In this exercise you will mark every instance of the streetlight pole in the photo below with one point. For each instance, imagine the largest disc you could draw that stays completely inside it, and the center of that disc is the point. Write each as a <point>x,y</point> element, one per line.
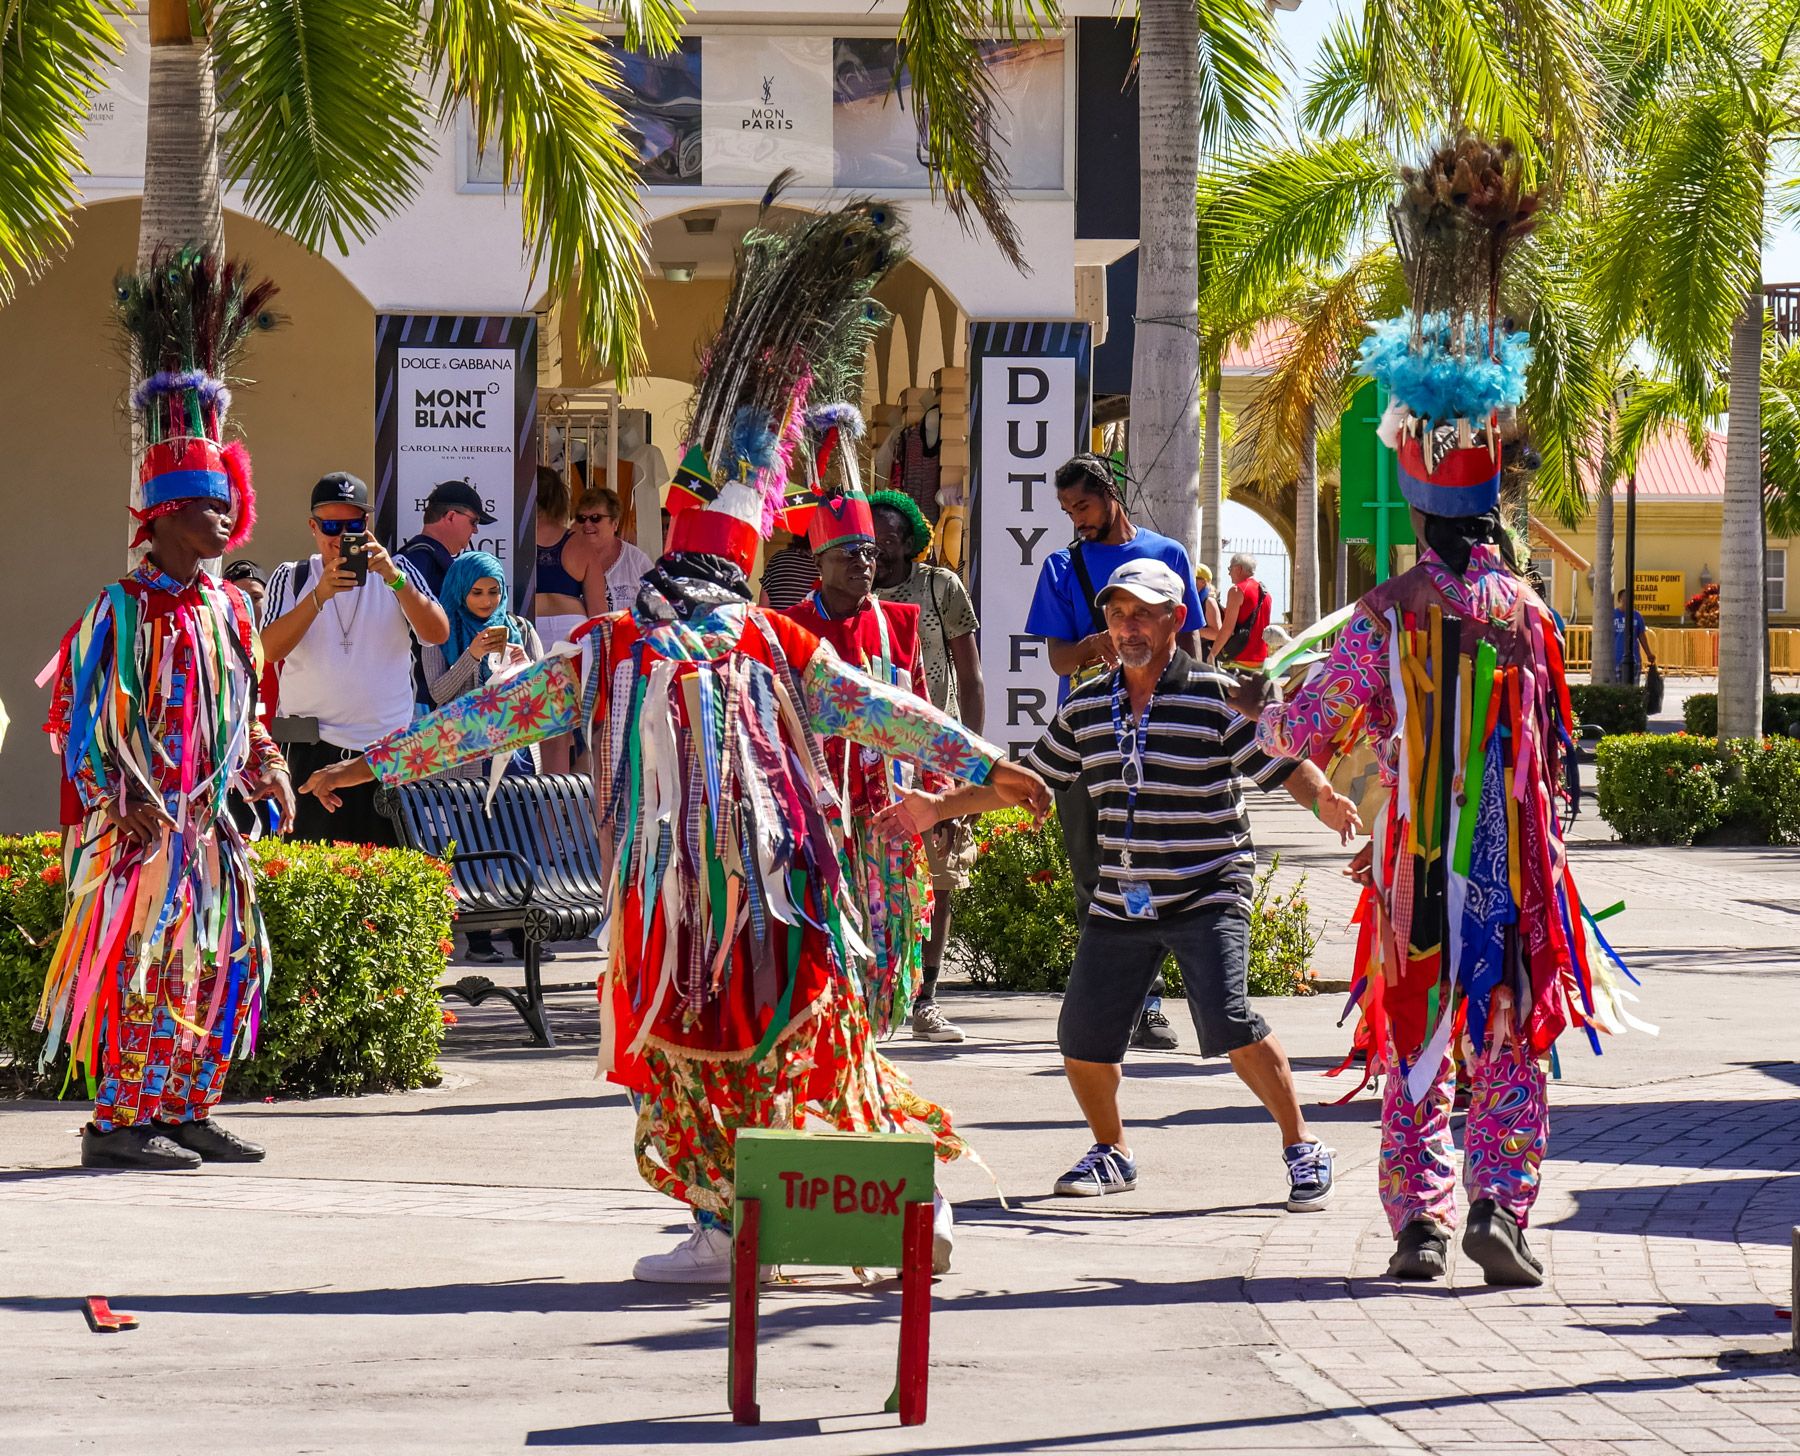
<point>1631,644</point>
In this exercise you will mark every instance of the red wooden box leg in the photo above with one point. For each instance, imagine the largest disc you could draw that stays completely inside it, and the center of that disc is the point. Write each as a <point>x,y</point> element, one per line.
<point>744,1267</point>
<point>915,1313</point>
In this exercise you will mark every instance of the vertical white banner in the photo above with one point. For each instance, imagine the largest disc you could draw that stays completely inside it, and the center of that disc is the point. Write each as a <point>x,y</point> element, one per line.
<point>456,421</point>
<point>1029,399</point>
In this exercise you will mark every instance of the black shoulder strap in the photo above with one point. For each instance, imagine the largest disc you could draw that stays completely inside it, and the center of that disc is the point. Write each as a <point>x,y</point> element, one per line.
<point>302,573</point>
<point>1087,587</point>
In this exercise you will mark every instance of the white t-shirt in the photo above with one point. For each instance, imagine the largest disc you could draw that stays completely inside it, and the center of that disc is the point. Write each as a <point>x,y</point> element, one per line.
<point>627,574</point>
<point>353,668</point>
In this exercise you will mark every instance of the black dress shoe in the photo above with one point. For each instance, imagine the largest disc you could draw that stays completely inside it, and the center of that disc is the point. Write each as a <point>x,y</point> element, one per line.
<point>1422,1253</point>
<point>1495,1241</point>
<point>144,1148</point>
<point>213,1143</point>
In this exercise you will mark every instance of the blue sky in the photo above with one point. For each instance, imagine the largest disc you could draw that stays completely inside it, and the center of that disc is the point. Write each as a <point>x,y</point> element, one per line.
<point>1302,31</point>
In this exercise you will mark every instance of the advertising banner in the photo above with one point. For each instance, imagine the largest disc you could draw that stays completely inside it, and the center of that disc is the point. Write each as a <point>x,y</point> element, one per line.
<point>1030,408</point>
<point>456,399</point>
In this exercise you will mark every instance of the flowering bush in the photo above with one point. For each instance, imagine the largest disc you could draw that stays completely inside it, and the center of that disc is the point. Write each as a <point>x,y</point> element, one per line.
<point>1703,606</point>
<point>1016,919</point>
<point>1680,789</point>
<point>359,937</point>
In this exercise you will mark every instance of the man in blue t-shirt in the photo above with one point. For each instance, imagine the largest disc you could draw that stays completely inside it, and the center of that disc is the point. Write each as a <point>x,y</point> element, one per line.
<point>1637,641</point>
<point>1064,614</point>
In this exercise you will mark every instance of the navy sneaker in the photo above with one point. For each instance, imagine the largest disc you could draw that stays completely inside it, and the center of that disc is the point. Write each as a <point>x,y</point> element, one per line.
<point>1102,1169</point>
<point>1309,1176</point>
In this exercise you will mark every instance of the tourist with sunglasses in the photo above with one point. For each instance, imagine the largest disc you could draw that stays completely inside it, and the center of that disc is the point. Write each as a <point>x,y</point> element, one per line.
<point>616,559</point>
<point>345,642</point>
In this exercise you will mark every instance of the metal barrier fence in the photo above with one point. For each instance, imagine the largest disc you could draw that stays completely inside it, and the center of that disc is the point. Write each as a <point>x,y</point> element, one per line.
<point>1687,651</point>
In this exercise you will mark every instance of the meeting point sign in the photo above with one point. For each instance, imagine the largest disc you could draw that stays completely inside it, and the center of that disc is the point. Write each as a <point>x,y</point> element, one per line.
<point>1030,409</point>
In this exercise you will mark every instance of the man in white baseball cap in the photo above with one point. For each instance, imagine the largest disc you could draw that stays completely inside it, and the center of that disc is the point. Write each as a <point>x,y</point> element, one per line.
<point>1157,751</point>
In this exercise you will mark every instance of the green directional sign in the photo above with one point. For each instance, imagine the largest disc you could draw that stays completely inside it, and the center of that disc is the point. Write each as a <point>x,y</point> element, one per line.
<point>1371,510</point>
<point>833,1197</point>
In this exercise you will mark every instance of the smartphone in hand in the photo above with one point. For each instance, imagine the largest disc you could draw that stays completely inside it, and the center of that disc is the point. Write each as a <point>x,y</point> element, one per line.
<point>356,555</point>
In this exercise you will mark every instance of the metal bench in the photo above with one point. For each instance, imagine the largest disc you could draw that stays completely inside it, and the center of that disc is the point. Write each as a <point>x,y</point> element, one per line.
<point>532,865</point>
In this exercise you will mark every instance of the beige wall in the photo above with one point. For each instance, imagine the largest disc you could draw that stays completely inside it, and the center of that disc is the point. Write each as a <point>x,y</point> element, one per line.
<point>1672,535</point>
<point>64,478</point>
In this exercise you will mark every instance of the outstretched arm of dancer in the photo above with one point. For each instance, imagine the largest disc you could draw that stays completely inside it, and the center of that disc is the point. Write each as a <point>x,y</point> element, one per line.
<point>1353,678</point>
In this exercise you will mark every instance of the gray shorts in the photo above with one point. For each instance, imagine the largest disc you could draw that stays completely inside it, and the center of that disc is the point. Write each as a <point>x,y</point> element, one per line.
<point>1116,961</point>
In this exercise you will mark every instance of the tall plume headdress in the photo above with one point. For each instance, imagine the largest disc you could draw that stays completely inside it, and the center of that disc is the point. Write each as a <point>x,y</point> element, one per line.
<point>1449,363</point>
<point>185,319</point>
<point>797,325</point>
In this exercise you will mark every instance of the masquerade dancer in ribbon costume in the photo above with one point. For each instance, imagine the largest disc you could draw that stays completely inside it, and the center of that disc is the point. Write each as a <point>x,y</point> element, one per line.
<point>1471,927</point>
<point>157,979</point>
<point>731,996</point>
<point>881,639</point>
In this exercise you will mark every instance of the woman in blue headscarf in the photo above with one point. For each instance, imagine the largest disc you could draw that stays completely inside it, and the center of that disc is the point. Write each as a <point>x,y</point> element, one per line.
<point>484,637</point>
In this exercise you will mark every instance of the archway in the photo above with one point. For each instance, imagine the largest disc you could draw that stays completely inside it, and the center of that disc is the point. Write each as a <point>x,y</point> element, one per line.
<point>309,409</point>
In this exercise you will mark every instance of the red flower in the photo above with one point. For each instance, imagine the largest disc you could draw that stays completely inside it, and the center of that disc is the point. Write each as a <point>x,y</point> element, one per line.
<point>5,872</point>
<point>274,867</point>
<point>446,946</point>
<point>371,927</point>
<point>449,1017</point>
<point>1043,877</point>
<point>51,874</point>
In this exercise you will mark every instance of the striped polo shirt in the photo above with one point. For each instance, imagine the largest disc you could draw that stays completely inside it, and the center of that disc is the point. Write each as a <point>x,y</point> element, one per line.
<point>1192,843</point>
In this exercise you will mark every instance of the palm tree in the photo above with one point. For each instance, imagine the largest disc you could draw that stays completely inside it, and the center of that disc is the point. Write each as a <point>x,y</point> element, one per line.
<point>1710,90</point>
<point>1204,78</point>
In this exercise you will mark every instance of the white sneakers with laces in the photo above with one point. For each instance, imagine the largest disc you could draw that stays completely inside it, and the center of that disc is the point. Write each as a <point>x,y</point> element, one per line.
<point>703,1257</point>
<point>930,1024</point>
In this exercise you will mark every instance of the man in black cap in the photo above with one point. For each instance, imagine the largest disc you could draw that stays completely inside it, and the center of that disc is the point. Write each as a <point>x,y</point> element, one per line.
<point>344,637</point>
<point>454,511</point>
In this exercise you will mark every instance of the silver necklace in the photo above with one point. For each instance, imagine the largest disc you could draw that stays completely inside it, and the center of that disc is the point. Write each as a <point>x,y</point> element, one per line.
<point>346,628</point>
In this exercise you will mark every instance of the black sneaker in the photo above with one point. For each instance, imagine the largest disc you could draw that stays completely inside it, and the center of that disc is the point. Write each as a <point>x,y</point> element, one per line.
<point>1102,1169</point>
<point>144,1148</point>
<point>1494,1240</point>
<point>1153,1032</point>
<point>483,955</point>
<point>1423,1252</point>
<point>1309,1176</point>
<point>213,1143</point>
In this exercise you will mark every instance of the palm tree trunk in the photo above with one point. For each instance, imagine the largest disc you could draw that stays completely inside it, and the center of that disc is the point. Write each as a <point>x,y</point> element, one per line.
<point>1602,636</point>
<point>1741,584</point>
<point>181,156</point>
<point>1212,483</point>
<point>1303,611</point>
<point>1165,365</point>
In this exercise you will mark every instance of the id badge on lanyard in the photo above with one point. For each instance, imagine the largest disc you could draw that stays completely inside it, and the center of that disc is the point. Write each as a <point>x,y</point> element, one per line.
<point>1130,734</point>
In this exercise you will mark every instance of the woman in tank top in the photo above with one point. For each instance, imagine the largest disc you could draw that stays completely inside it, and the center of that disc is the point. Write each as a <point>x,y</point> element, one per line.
<point>570,588</point>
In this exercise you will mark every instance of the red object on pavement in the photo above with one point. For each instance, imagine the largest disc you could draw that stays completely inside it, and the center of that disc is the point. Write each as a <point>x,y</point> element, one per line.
<point>915,1314</point>
<point>744,1271</point>
<point>103,1319</point>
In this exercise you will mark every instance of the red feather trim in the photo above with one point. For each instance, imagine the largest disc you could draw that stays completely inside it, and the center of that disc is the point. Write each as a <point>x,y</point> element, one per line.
<point>243,496</point>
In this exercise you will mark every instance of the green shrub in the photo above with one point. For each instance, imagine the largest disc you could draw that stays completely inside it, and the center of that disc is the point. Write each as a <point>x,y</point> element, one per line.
<point>1700,713</point>
<point>358,935</point>
<point>1016,919</point>
<point>1682,789</point>
<point>1615,707</point>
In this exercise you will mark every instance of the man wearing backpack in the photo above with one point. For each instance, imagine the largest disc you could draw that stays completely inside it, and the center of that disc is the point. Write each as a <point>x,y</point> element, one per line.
<point>1064,613</point>
<point>1248,607</point>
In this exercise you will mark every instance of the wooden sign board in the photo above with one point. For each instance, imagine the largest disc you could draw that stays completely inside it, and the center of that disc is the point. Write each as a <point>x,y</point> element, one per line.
<point>830,1197</point>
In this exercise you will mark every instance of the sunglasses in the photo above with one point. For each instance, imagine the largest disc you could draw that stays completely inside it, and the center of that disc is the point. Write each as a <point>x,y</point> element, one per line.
<point>859,553</point>
<point>593,520</point>
<point>337,528</point>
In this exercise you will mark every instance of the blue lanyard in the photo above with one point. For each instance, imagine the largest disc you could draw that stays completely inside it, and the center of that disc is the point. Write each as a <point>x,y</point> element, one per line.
<point>1131,735</point>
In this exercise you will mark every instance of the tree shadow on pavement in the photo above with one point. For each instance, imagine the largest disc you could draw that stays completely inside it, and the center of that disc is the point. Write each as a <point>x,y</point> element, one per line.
<point>1726,1210</point>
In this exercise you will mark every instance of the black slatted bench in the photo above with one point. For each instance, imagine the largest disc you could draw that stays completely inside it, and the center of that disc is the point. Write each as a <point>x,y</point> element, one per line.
<point>532,865</point>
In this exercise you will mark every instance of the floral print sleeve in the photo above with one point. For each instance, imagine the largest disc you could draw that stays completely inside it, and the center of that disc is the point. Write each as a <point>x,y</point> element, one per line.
<point>844,703</point>
<point>541,702</point>
<point>1352,679</point>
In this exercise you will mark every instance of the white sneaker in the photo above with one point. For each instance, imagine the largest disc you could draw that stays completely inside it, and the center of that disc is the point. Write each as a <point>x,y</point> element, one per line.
<point>930,1024</point>
<point>703,1257</point>
<point>943,1233</point>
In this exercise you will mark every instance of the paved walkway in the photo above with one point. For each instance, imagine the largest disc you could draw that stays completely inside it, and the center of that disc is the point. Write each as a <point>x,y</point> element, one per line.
<point>448,1271</point>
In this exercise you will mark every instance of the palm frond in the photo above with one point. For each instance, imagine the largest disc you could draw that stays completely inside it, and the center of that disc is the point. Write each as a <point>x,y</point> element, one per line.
<point>1279,208</point>
<point>1315,367</point>
<point>53,53</point>
<point>1781,438</point>
<point>1527,70</point>
<point>1239,89</point>
<point>1654,405</point>
<point>543,96</point>
<point>650,25</point>
<point>1681,235</point>
<point>1336,95</point>
<point>956,109</point>
<point>323,123</point>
